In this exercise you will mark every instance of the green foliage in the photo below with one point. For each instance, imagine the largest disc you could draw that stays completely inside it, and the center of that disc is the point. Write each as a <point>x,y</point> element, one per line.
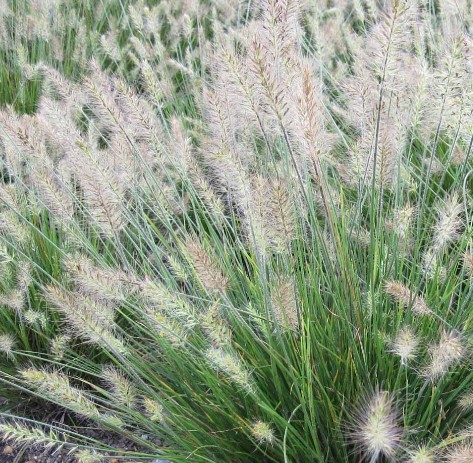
<point>202,244</point>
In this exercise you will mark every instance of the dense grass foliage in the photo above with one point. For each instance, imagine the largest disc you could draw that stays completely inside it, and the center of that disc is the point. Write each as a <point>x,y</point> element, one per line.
<point>243,228</point>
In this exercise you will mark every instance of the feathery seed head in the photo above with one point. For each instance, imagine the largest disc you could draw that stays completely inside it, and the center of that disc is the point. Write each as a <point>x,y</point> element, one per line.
<point>154,410</point>
<point>460,453</point>
<point>177,269</point>
<point>112,420</point>
<point>215,327</point>
<point>405,344</point>
<point>402,294</point>
<point>465,402</point>
<point>14,300</point>
<point>376,429</point>
<point>449,222</point>
<point>432,264</point>
<point>449,350</point>
<point>11,226</point>
<point>7,344</point>
<point>88,456</point>
<point>102,284</point>
<point>231,365</point>
<point>87,318</point>
<point>166,306</point>
<point>263,432</point>
<point>35,317</point>
<point>402,220</point>
<point>206,268</point>
<point>55,386</point>
<point>20,434</point>
<point>371,300</point>
<point>468,263</point>
<point>59,345</point>
<point>458,156</point>
<point>167,327</point>
<point>121,387</point>
<point>285,305</point>
<point>23,276</point>
<point>421,455</point>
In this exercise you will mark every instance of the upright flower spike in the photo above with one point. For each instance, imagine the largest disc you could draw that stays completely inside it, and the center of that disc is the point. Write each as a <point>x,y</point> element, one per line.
<point>449,223</point>
<point>284,303</point>
<point>405,344</point>
<point>211,277</point>
<point>376,431</point>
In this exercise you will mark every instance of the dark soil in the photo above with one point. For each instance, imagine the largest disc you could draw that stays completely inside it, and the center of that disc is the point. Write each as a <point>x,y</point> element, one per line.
<point>37,454</point>
<point>48,413</point>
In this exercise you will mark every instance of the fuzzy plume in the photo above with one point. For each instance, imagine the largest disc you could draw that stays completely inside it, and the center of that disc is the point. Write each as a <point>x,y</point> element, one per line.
<point>88,456</point>
<point>231,365</point>
<point>465,402</point>
<point>405,344</point>
<point>448,351</point>
<point>100,283</point>
<point>154,410</point>
<point>21,434</point>
<point>56,387</point>
<point>120,386</point>
<point>86,317</point>
<point>215,327</point>
<point>460,453</point>
<point>207,270</point>
<point>400,293</point>
<point>449,223</point>
<point>263,432</point>
<point>376,431</point>
<point>285,305</point>
<point>421,455</point>
<point>7,344</point>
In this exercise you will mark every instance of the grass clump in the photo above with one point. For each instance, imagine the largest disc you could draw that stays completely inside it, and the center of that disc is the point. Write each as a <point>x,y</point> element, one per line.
<point>278,272</point>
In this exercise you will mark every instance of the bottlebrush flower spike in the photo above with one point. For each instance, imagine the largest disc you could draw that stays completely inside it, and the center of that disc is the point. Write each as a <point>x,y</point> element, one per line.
<point>405,344</point>
<point>449,223</point>
<point>7,344</point>
<point>460,453</point>
<point>230,364</point>
<point>262,432</point>
<point>421,455</point>
<point>56,386</point>
<point>465,402</point>
<point>449,350</point>
<point>376,430</point>
<point>285,305</point>
<point>120,386</point>
<point>211,277</point>
<point>402,294</point>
